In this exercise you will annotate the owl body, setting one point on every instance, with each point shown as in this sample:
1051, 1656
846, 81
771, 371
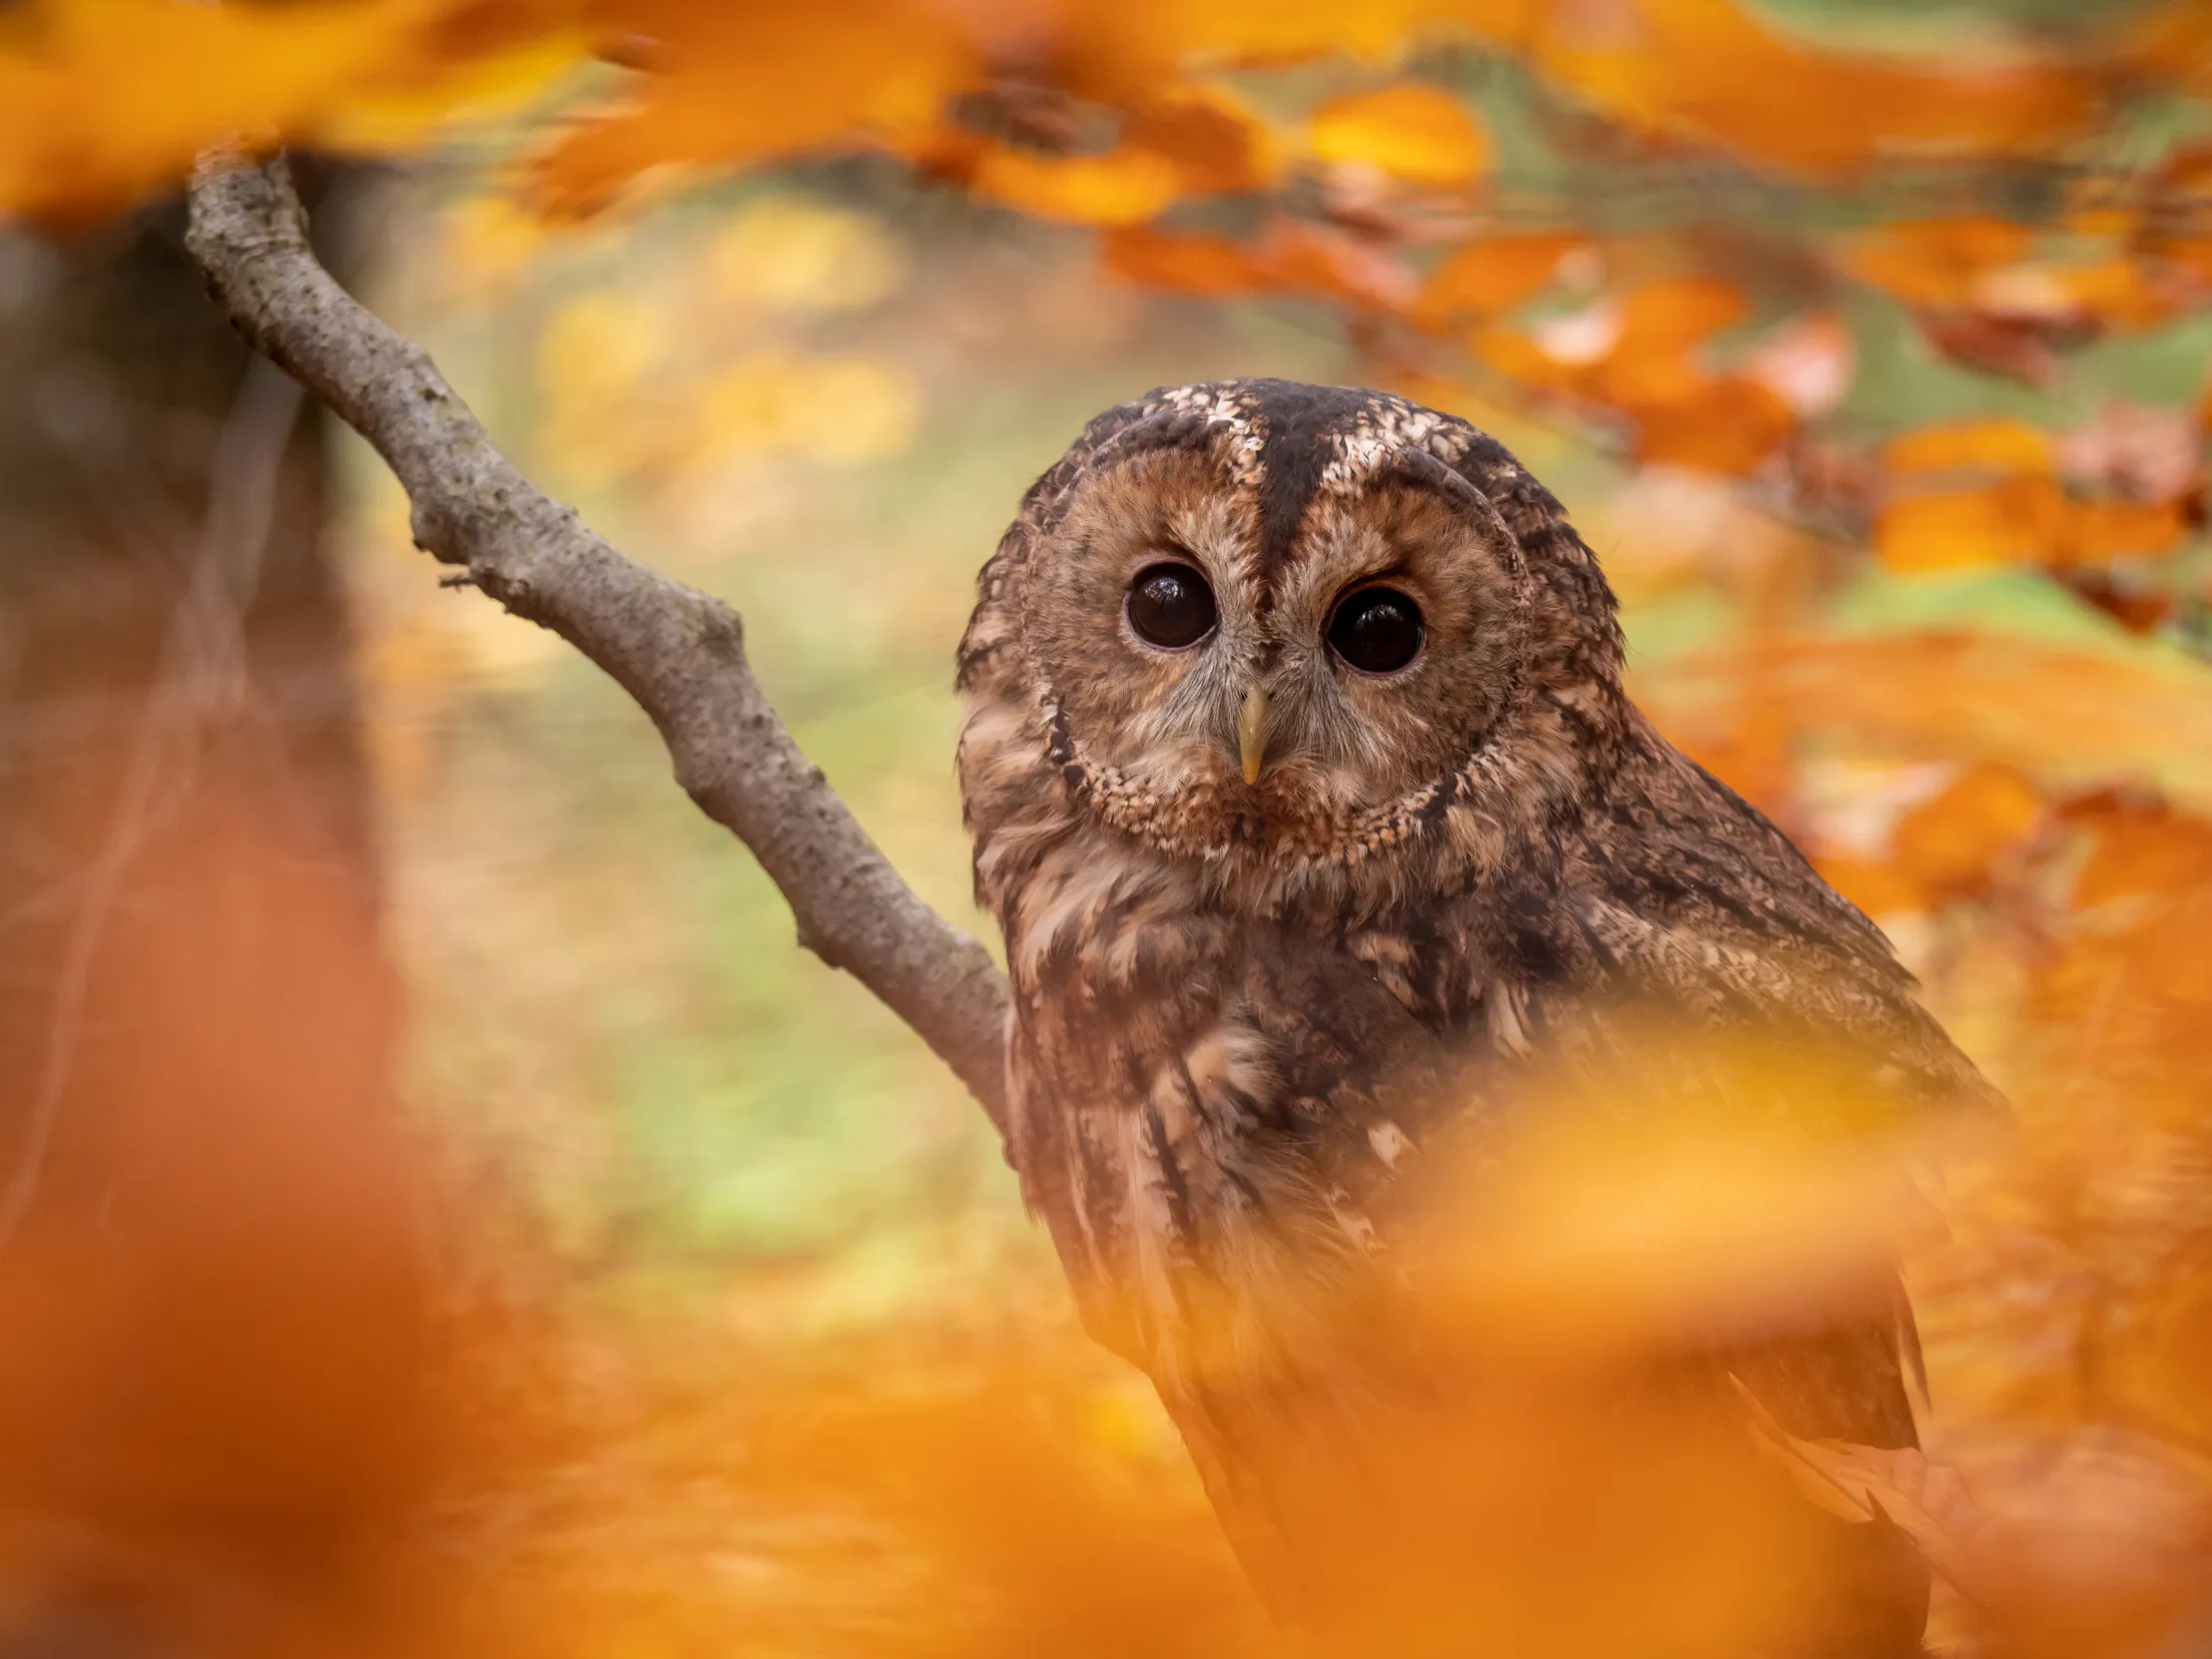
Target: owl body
1323, 835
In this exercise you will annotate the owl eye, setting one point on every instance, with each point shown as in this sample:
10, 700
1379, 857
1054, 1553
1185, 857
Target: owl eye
1171, 606
1375, 630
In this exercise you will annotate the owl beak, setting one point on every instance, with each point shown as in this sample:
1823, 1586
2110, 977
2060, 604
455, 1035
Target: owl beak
1252, 732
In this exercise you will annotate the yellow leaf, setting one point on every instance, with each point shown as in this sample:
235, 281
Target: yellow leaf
593, 356
834, 408
485, 242
104, 99
791, 253
1127, 187
1994, 445
1415, 131
1941, 695
443, 91
860, 409
1769, 1183
597, 345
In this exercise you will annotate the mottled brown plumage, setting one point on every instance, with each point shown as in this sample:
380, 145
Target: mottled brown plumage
1245, 1012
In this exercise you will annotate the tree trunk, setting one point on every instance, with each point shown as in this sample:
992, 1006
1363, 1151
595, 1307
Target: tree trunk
211, 1278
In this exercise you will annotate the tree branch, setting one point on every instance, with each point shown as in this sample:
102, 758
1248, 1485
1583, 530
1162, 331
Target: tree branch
678, 652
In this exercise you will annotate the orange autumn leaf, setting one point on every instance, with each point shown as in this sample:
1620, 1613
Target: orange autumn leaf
1930, 1503
2092, 1544
1492, 274
2117, 293
102, 101
1630, 352
2170, 42
1985, 302
1216, 143
741, 84
1553, 357
1190, 140
2183, 177
1673, 317
1714, 72
2017, 520
1127, 187
1725, 425
1186, 262
1947, 843
2191, 255
1933, 261
2022, 516
1415, 131
497, 69
1992, 445
1652, 362
1877, 885
1320, 260
1111, 49
1293, 257
2100, 530
2139, 848
746, 83
1938, 695
1578, 1233
1704, 70
1641, 359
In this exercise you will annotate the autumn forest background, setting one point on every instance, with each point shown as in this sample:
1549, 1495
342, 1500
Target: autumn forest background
440, 1205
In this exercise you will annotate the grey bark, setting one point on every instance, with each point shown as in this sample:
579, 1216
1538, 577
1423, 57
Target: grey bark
678, 652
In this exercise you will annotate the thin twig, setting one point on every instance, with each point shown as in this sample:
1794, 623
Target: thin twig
678, 652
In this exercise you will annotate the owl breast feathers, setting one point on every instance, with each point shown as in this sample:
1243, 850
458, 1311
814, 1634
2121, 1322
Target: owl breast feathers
1305, 790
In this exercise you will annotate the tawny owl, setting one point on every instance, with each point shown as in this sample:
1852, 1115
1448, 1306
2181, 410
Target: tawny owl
1305, 790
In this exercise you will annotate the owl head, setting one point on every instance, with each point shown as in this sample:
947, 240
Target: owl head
1302, 621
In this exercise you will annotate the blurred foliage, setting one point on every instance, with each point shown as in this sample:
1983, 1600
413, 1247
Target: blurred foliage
1869, 346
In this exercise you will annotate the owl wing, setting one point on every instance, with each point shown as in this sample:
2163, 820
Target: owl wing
1683, 941
1679, 930
1681, 902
